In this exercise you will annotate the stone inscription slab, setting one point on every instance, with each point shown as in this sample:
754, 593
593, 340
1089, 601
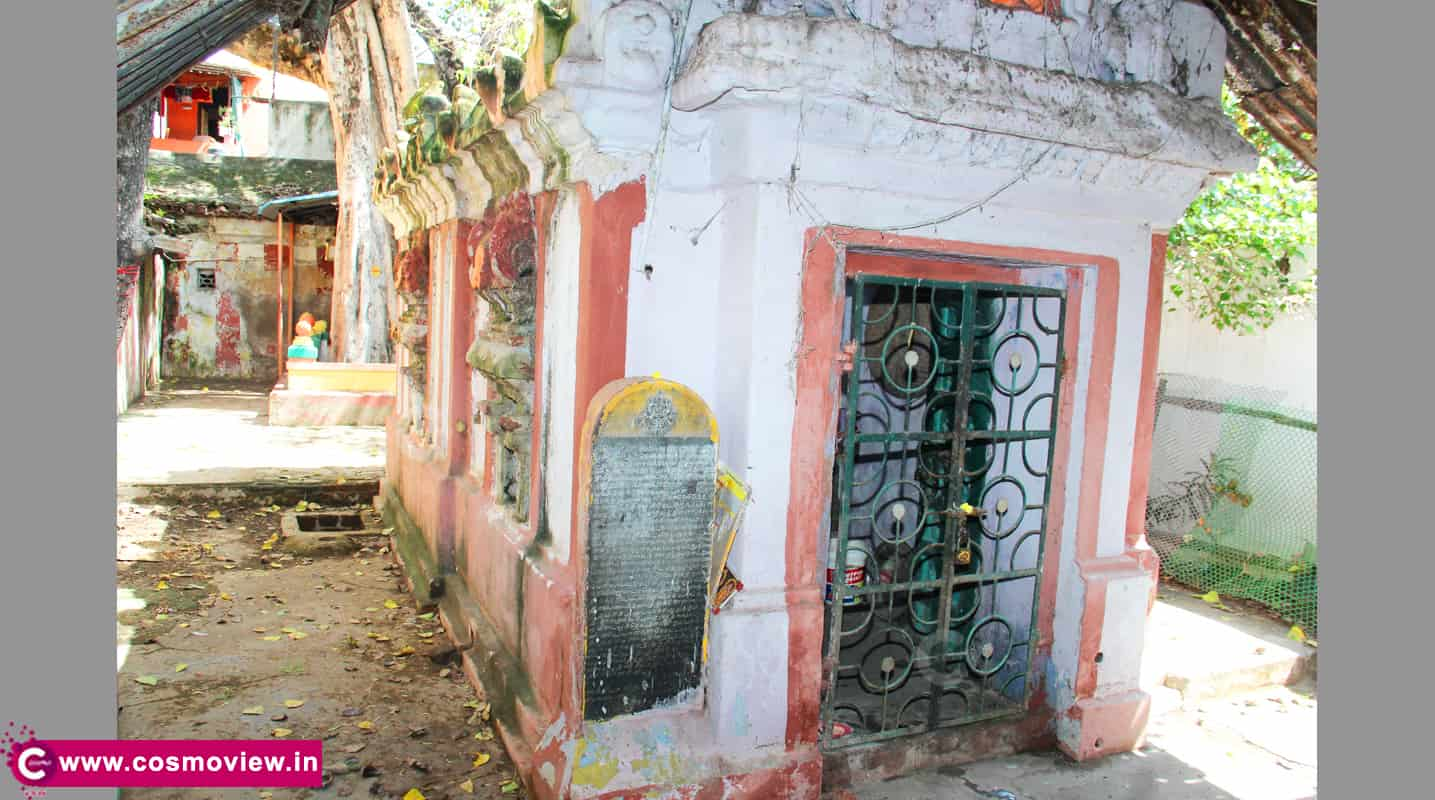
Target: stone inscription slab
649, 544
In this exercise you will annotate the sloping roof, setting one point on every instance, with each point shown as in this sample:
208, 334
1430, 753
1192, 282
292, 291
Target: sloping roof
305, 209
179, 183
224, 62
286, 87
1271, 66
157, 40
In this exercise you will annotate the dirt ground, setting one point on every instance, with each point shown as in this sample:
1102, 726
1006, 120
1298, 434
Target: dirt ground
224, 633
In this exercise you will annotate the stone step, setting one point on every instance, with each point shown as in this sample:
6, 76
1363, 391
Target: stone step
1201, 651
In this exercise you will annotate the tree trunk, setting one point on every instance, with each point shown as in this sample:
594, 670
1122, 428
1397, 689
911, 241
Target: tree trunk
133, 131
370, 73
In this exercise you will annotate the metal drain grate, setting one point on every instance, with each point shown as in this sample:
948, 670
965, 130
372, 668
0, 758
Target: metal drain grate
328, 521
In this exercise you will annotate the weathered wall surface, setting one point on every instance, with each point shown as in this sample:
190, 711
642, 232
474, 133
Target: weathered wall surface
229, 330
675, 234
137, 350
299, 129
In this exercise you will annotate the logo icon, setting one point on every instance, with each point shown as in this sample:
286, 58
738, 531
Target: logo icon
29, 759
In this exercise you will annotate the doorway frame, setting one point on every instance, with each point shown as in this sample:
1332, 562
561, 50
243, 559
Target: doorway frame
830, 256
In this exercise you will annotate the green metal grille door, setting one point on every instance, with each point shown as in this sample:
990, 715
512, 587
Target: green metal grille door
940, 492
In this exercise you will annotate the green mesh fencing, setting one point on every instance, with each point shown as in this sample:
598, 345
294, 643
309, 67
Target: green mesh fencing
1232, 505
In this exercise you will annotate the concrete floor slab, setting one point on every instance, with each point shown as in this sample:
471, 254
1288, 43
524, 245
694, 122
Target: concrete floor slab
1254, 746
194, 433
1203, 650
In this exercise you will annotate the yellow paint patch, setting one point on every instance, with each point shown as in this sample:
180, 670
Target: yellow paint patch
334, 377
597, 773
621, 413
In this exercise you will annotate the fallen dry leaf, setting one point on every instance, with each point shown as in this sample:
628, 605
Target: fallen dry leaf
390, 604
365, 725
293, 703
480, 759
467, 786
414, 794
280, 733
253, 711
147, 680
180, 667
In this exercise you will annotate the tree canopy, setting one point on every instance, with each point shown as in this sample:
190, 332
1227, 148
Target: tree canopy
1230, 258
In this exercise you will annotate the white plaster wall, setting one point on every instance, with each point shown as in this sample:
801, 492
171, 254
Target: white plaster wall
443, 265
299, 129
560, 369
738, 182
736, 179
1281, 358
684, 321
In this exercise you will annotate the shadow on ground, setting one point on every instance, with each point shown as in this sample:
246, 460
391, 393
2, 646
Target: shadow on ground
225, 633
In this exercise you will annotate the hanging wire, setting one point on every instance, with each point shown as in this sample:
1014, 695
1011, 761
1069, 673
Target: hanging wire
274, 68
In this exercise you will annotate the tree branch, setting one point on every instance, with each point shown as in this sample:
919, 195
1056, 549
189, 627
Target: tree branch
440, 42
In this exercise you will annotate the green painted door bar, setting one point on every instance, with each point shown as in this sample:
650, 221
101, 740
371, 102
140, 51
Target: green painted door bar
961, 381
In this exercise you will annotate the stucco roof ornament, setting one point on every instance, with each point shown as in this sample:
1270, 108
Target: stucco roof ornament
770, 54
511, 130
508, 131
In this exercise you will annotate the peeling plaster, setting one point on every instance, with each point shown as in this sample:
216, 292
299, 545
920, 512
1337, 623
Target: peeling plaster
230, 330
1079, 135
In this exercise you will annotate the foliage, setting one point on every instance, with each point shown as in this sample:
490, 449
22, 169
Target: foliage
484, 30
1229, 259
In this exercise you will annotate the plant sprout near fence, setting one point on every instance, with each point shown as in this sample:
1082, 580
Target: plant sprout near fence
1233, 495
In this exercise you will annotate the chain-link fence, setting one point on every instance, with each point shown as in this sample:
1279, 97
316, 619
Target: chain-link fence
1232, 506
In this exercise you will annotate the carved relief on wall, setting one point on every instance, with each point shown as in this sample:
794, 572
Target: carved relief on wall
637, 47
410, 330
504, 269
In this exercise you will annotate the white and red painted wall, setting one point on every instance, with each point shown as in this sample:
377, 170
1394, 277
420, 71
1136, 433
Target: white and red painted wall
230, 330
700, 228
271, 115
138, 301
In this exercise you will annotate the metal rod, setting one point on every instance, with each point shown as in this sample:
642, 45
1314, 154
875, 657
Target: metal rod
279, 348
290, 321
